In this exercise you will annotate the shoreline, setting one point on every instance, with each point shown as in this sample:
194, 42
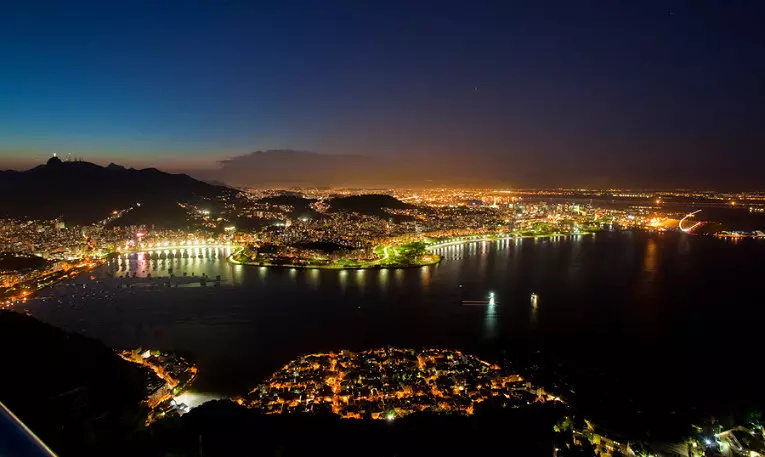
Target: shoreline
230, 259
513, 237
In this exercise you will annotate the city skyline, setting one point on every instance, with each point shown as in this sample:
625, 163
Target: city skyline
654, 94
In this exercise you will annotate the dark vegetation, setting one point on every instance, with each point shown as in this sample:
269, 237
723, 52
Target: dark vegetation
169, 216
13, 262
301, 205
223, 428
371, 204
612, 387
83, 192
300, 208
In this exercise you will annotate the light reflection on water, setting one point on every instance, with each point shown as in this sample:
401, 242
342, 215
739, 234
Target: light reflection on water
260, 318
490, 320
343, 279
383, 278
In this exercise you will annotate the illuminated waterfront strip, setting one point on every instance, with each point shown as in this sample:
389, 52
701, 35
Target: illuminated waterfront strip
176, 247
502, 238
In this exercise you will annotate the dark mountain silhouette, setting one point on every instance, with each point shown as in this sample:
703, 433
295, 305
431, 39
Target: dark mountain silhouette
72, 391
83, 192
371, 204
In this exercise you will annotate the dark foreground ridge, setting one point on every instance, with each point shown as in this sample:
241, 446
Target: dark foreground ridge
81, 399
223, 428
73, 392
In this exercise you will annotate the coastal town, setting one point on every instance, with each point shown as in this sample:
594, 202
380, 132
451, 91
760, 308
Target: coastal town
387, 383
167, 377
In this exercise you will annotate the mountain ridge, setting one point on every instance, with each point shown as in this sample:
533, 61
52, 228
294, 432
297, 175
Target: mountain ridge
84, 192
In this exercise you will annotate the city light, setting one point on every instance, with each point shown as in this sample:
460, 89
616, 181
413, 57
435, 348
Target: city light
356, 390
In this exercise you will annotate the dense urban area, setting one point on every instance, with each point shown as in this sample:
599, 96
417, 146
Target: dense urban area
349, 228
376, 229
387, 383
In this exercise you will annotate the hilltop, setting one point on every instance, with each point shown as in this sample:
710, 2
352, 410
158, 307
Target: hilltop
301, 205
371, 204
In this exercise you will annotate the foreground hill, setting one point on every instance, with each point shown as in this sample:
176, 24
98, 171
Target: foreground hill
83, 192
232, 430
72, 391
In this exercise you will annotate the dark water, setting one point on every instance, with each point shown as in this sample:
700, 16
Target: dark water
667, 316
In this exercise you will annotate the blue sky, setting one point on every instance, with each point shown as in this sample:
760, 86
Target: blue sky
610, 84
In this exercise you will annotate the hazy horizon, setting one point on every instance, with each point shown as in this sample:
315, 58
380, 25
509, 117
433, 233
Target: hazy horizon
289, 168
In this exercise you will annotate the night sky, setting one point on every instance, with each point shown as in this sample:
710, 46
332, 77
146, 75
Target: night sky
632, 93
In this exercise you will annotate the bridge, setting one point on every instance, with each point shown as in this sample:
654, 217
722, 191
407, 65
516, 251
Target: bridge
689, 215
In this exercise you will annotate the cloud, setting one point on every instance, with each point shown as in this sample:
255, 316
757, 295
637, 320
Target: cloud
303, 168
276, 168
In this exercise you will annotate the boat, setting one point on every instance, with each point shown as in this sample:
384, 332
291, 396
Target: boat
534, 299
490, 301
476, 302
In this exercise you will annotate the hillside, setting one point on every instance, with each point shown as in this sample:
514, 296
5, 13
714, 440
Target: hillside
66, 388
372, 204
83, 192
301, 205
11, 262
233, 430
